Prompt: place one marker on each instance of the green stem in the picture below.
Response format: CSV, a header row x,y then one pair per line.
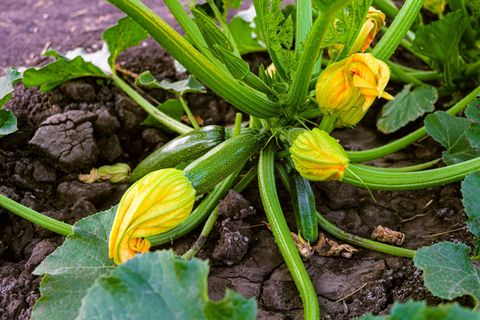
x,y
202,239
303,23
373,178
189,113
413,168
387,7
35,217
150,109
397,30
281,233
237,128
400,74
473,69
367,155
328,123
311,51
204,208
362,242
217,79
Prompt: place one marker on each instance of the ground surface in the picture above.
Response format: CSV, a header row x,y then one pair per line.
x,y
92,124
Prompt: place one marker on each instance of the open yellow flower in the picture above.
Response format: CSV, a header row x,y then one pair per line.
x,y
374,21
158,202
355,81
317,156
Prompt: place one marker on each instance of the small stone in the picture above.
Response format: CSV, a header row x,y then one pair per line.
x,y
235,206
230,249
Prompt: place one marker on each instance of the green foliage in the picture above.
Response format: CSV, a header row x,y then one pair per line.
x,y
54,74
450,132
408,106
174,287
125,34
243,35
8,122
12,76
473,114
277,33
418,310
189,85
440,42
448,270
346,24
73,267
471,202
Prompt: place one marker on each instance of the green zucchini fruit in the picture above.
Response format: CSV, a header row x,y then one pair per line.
x,y
303,202
180,151
217,164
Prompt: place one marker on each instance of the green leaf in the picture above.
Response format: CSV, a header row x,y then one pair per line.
x,y
171,107
7,82
448,271
450,132
211,32
440,42
189,85
125,34
73,267
471,201
407,106
347,23
473,114
161,284
244,35
8,122
418,310
59,71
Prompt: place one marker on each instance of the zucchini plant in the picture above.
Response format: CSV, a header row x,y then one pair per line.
x,y
324,75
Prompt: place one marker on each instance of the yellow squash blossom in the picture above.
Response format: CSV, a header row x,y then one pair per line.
x,y
158,202
117,173
318,157
374,21
355,81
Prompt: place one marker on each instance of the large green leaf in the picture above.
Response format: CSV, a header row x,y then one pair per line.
x,y
160,285
418,310
189,85
448,271
125,34
450,132
54,74
407,106
8,122
243,34
7,82
473,114
73,267
172,107
471,201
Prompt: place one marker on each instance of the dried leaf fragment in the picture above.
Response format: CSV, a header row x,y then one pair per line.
x,y
330,248
386,235
304,248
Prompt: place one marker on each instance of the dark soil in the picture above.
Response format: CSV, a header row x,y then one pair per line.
x,y
85,124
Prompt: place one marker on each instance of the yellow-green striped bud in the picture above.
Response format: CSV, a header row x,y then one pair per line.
x,y
318,157
158,202
374,21
117,173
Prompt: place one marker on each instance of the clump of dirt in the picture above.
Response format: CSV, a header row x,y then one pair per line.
x,y
85,123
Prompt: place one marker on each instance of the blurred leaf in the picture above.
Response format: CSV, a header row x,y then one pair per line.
x,y
244,36
12,76
448,271
8,122
473,114
418,310
471,201
125,34
189,85
159,283
407,106
73,267
450,132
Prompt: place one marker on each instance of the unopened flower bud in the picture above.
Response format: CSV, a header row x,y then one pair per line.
x,y
374,21
117,173
158,202
435,6
355,81
317,156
